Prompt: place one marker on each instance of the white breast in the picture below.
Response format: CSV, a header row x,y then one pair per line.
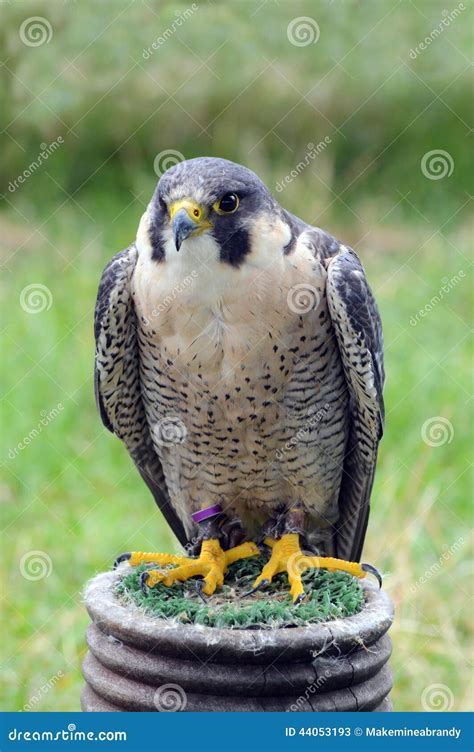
x,y
203,313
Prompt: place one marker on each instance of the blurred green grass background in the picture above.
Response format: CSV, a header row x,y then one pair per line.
x,y
228,82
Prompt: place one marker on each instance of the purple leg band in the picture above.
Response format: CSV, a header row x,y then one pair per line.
x,y
204,514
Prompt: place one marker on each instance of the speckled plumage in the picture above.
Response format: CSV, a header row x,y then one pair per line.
x,y
248,376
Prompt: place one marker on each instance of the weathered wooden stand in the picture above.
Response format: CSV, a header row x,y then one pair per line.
x,y
137,662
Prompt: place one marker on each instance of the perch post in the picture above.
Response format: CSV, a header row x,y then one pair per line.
x,y
140,663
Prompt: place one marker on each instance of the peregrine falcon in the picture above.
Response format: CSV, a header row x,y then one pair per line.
x,y
239,357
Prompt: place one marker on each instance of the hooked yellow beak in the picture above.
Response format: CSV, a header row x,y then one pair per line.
x,y
187,218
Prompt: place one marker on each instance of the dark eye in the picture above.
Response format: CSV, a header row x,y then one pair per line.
x,y
228,203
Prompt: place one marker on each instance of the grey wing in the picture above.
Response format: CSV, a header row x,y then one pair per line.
x,y
117,378
358,330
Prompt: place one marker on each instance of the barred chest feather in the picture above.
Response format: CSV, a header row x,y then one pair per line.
x,y
243,359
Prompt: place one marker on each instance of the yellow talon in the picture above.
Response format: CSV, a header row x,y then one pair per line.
x,y
211,564
288,557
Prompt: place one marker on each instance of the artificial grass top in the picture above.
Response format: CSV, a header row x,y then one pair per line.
x,y
330,595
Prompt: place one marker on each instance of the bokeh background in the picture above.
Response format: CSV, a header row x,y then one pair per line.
x,y
383,88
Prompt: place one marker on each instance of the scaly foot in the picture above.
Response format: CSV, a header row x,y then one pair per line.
x,y
211,564
288,557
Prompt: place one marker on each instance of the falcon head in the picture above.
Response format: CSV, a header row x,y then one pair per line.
x,y
215,210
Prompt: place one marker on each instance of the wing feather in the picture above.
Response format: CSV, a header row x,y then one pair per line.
x,y
358,330
117,378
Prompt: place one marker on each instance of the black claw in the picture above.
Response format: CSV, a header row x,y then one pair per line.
x,y
299,599
123,557
369,568
199,587
256,588
143,580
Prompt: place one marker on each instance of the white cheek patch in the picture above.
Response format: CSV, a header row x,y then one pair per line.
x,y
143,238
267,239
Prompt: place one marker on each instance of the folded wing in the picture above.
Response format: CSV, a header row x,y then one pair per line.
x,y
358,330
117,378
